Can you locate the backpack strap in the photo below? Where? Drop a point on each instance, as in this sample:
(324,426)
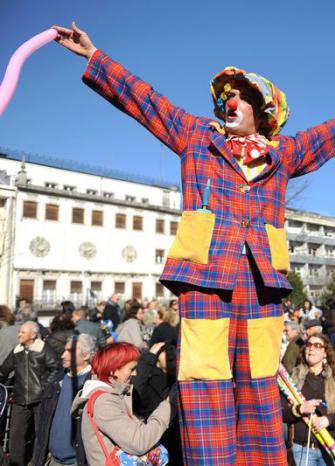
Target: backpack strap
(89,409)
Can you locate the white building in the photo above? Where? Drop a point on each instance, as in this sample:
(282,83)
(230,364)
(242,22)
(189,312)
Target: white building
(76,234)
(311,240)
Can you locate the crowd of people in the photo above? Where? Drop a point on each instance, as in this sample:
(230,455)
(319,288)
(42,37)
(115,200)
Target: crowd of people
(99,384)
(51,372)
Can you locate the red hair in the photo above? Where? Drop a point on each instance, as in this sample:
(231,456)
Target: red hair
(113,357)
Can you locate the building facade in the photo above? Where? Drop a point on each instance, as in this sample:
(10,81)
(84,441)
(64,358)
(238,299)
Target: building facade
(70,234)
(311,242)
(69,231)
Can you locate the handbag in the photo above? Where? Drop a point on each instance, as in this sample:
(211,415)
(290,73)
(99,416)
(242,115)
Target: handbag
(158,456)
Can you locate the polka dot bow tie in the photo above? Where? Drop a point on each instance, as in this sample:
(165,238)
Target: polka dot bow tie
(248,148)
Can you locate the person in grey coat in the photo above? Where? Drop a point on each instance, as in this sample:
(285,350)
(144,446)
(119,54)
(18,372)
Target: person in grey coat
(9,330)
(83,325)
(122,433)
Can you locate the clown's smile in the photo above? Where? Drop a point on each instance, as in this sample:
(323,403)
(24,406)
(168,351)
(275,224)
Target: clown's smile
(233,118)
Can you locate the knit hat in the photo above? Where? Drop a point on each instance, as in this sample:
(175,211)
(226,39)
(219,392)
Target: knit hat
(275,109)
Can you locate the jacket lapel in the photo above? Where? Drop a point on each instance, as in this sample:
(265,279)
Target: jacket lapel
(273,160)
(219,142)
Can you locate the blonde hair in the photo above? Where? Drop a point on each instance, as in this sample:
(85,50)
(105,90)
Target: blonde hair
(169,316)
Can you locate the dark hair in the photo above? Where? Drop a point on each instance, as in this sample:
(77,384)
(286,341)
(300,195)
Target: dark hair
(67,307)
(61,322)
(113,357)
(132,312)
(330,353)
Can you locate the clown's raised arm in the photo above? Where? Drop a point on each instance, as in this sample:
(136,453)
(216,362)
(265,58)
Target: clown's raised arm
(127,92)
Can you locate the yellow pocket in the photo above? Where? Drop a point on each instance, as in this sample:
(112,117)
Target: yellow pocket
(204,349)
(264,339)
(193,237)
(278,247)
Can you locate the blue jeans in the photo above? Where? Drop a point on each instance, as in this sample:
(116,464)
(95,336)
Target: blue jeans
(316,457)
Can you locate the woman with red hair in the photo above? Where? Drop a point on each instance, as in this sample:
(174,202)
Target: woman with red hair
(112,434)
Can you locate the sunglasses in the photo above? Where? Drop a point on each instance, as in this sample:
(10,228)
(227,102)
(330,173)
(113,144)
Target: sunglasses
(317,346)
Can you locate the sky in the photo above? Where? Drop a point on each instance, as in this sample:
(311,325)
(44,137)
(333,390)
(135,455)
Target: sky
(176,46)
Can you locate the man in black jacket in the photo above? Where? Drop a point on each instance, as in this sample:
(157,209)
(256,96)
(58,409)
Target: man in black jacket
(34,364)
(57,434)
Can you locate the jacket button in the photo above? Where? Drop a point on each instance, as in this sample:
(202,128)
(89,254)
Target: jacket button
(245,222)
(244,188)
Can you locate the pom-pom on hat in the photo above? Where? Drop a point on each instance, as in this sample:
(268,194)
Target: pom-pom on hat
(274,106)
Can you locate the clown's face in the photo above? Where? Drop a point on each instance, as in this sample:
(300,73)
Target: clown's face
(242,115)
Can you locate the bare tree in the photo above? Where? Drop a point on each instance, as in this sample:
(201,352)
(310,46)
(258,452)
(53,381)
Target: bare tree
(295,190)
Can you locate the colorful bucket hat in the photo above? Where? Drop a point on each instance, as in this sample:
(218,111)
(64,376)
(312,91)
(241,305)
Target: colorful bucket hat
(275,108)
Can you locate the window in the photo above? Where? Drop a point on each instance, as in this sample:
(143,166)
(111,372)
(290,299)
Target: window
(30,209)
(91,192)
(313,249)
(145,200)
(166,198)
(77,215)
(137,290)
(49,285)
(2,202)
(67,187)
(330,232)
(108,195)
(137,222)
(130,198)
(75,287)
(97,217)
(312,227)
(159,256)
(330,251)
(159,290)
(51,212)
(27,289)
(159,225)
(119,287)
(49,291)
(49,184)
(173,227)
(120,221)
(295,224)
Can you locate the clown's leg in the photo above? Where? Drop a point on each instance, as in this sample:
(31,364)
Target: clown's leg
(258,411)
(207,420)
(206,402)
(256,322)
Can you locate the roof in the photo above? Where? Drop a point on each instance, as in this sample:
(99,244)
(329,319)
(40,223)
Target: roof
(66,164)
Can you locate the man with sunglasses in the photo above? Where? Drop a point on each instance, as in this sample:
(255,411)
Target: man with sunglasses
(228,262)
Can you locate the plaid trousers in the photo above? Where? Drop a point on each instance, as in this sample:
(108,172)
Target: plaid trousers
(236,421)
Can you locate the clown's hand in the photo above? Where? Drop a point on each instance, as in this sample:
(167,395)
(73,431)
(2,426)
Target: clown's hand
(75,40)
(320,422)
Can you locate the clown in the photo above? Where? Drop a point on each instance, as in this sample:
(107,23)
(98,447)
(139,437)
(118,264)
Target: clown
(229,258)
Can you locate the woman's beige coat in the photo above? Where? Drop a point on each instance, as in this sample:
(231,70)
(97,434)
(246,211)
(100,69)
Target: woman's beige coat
(116,422)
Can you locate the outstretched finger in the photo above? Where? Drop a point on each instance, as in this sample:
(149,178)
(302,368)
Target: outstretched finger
(63,31)
(76,29)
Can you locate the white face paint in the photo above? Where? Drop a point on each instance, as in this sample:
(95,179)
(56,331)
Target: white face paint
(236,122)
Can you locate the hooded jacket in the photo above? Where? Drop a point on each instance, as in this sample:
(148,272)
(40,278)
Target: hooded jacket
(116,422)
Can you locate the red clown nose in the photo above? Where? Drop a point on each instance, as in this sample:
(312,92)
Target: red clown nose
(232,104)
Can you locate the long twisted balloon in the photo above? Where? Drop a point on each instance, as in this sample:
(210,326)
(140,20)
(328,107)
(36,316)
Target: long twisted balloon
(13,70)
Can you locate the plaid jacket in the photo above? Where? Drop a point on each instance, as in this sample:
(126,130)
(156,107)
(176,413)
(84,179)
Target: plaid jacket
(241,208)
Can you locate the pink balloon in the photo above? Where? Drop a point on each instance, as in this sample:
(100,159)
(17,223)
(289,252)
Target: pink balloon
(13,70)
